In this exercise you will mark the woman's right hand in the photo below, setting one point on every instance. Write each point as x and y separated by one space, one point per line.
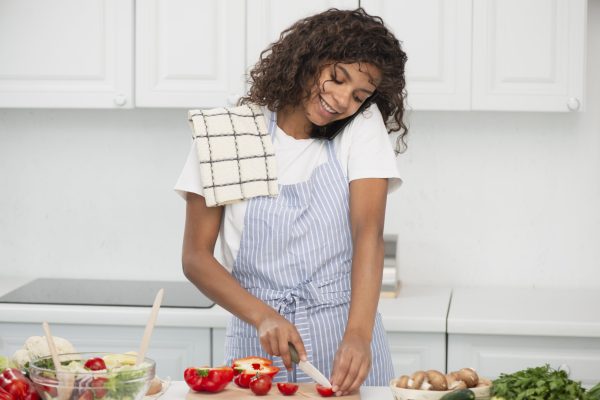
275 332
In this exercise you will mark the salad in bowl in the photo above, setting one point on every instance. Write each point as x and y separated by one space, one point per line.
89 376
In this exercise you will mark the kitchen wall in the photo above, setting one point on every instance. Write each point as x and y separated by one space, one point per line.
489 198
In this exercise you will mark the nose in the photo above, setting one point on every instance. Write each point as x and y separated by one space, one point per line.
344 100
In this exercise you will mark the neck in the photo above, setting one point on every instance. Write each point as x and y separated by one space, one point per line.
294 123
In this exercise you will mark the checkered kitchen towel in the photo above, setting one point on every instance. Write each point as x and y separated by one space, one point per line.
237 160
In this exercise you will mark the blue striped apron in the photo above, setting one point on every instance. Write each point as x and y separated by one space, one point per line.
296 255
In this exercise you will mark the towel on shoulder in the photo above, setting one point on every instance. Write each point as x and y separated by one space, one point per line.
237 159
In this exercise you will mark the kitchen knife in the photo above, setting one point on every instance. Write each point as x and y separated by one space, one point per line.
308 368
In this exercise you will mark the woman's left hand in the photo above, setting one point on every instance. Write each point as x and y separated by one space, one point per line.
352 364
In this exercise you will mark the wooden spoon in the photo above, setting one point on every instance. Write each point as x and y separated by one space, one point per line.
65 380
149 327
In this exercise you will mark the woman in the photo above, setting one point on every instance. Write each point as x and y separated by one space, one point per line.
306 267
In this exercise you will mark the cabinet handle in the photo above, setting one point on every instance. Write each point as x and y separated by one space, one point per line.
120 100
573 104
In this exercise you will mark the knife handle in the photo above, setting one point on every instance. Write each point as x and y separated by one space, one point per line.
294 353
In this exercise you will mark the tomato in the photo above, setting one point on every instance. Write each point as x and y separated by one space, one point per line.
287 389
324 391
243 379
95 364
260 384
98 388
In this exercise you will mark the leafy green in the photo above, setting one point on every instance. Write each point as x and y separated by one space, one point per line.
539 383
125 383
593 393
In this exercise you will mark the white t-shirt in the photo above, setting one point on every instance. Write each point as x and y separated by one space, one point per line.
363 149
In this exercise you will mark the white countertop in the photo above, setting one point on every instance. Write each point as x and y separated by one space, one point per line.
417 309
178 390
525 311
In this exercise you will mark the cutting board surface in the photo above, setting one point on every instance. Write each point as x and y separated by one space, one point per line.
305 391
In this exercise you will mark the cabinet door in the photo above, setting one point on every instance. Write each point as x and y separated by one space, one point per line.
417 351
491 355
436 36
173 348
268 18
189 53
66 53
528 55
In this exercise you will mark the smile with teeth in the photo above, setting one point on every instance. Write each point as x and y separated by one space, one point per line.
327 107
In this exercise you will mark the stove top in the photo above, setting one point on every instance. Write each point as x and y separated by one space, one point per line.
100 292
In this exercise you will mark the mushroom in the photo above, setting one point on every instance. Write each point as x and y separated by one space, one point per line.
484 382
454 383
402 382
469 376
437 380
419 379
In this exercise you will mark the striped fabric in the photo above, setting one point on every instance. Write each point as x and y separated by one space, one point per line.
296 255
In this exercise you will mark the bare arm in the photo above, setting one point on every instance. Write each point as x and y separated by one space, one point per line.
367 213
211 278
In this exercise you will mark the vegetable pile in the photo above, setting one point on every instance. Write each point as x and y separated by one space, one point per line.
541 383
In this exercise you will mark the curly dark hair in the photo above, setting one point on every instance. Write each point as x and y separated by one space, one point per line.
289 68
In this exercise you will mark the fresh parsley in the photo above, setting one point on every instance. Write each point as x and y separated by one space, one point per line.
539 383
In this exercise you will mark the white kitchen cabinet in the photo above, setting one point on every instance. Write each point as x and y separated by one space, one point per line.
189 53
529 55
490 54
497 330
417 351
268 18
66 53
218 346
173 348
492 355
436 35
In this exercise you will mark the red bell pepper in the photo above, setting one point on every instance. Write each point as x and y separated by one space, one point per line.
205 379
247 368
15 383
4 395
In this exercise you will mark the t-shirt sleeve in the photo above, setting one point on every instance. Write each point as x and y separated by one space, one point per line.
189 179
368 150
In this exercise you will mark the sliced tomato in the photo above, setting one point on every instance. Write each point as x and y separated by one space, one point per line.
287 388
324 391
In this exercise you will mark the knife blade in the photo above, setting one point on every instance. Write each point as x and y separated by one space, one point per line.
308 368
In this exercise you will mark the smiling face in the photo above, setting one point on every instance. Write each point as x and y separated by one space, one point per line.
341 90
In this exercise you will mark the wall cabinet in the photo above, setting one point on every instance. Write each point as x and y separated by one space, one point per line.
462 54
189 53
490 54
52 59
173 348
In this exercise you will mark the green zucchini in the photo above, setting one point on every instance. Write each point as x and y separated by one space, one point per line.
461 394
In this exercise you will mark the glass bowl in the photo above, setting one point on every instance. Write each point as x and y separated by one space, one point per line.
121 379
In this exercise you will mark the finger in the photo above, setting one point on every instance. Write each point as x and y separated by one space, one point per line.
352 372
266 344
360 378
340 369
274 340
284 352
296 340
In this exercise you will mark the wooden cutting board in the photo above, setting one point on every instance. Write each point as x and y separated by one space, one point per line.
305 391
